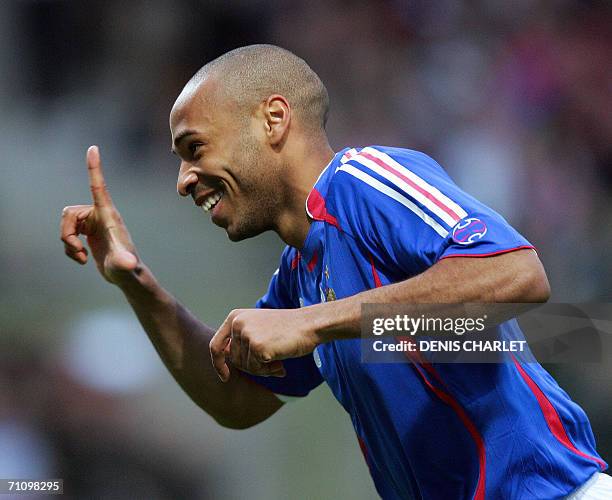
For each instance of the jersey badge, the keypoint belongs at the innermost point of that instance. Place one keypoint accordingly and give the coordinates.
(469, 230)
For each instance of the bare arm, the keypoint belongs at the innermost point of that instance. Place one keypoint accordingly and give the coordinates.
(180, 339)
(259, 337)
(182, 342)
(514, 277)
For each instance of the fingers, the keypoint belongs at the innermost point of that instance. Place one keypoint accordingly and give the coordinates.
(247, 359)
(79, 257)
(106, 213)
(70, 229)
(218, 345)
(230, 344)
(250, 360)
(239, 350)
(249, 356)
(99, 193)
(265, 369)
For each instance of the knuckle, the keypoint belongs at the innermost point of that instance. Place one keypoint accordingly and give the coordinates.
(257, 346)
(212, 346)
(235, 358)
(257, 366)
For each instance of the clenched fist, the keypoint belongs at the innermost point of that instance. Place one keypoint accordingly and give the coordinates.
(107, 237)
(256, 340)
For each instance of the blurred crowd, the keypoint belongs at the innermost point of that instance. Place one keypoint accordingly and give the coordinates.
(512, 98)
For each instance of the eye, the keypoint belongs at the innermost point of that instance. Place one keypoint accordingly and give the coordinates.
(193, 147)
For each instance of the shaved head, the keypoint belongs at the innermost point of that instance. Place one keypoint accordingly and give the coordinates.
(248, 75)
(249, 128)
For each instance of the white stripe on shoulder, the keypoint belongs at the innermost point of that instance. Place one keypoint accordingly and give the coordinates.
(434, 192)
(379, 186)
(348, 155)
(413, 193)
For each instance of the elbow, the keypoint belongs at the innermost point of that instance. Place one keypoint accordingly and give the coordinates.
(541, 291)
(236, 420)
(239, 413)
(233, 424)
(535, 287)
(237, 424)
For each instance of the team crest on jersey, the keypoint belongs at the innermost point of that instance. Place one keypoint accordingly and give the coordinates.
(469, 231)
(327, 292)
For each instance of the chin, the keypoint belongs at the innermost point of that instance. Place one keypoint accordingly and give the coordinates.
(232, 236)
(242, 233)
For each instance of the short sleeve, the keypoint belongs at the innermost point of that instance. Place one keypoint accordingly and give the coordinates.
(302, 374)
(408, 212)
(278, 295)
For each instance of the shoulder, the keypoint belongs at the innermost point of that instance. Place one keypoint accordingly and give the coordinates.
(374, 167)
(392, 158)
(377, 182)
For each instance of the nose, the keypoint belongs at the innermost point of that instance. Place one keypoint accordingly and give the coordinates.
(187, 179)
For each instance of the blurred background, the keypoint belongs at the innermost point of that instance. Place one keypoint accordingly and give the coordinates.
(513, 98)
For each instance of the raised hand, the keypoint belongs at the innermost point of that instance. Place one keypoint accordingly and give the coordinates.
(107, 237)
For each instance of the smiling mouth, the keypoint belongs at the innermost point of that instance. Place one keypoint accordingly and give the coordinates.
(210, 200)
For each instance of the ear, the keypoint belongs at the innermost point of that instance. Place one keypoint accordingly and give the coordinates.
(277, 114)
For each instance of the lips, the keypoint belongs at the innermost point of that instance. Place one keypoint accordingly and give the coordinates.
(208, 199)
(212, 200)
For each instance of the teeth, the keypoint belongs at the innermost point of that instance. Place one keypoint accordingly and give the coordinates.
(212, 200)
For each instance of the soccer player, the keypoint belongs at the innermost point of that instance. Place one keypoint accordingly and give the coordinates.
(364, 225)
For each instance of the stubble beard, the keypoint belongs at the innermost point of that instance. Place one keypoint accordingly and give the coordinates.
(261, 194)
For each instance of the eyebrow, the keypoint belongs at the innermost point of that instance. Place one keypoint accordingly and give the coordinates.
(180, 137)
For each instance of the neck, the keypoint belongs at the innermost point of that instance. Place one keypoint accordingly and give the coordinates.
(303, 168)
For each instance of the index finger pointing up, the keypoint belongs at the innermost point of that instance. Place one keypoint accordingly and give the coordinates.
(100, 195)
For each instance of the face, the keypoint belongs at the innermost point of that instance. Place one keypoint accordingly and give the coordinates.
(226, 165)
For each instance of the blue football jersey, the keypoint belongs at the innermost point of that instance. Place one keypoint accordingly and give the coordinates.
(381, 215)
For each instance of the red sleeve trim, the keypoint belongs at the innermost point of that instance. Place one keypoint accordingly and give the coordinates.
(490, 254)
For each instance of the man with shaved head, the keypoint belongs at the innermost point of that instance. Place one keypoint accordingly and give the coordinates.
(217, 116)
(363, 225)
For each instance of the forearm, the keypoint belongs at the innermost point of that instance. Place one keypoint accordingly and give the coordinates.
(179, 338)
(182, 342)
(517, 277)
